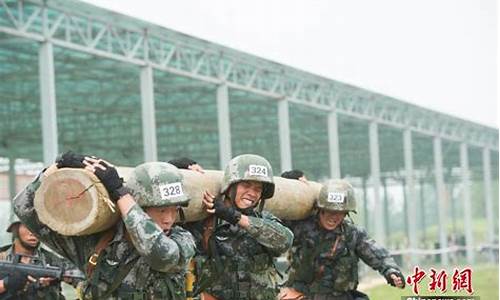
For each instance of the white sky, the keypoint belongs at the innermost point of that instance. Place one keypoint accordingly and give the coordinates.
(439, 54)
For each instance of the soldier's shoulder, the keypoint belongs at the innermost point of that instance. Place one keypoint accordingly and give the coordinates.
(351, 226)
(355, 232)
(184, 240)
(5, 248)
(4, 252)
(180, 234)
(303, 227)
(268, 215)
(47, 252)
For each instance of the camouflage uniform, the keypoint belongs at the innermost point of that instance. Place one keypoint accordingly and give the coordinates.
(325, 262)
(42, 257)
(158, 262)
(316, 270)
(238, 263)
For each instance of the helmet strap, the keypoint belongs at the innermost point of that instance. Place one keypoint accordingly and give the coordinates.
(15, 232)
(232, 193)
(349, 216)
(182, 216)
(261, 204)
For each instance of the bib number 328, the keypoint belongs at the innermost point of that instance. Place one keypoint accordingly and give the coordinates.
(171, 190)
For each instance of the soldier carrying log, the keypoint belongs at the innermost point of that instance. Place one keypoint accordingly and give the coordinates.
(238, 242)
(144, 256)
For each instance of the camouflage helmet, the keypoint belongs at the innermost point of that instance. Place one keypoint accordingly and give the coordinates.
(249, 167)
(337, 195)
(157, 184)
(15, 221)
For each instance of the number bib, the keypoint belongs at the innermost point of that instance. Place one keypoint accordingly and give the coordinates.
(171, 190)
(335, 197)
(257, 170)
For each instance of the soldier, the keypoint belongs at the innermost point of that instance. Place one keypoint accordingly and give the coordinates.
(17, 285)
(327, 249)
(238, 241)
(144, 256)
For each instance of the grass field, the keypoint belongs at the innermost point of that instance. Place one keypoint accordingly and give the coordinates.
(484, 282)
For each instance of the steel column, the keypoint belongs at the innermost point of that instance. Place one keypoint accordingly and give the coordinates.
(333, 145)
(488, 200)
(441, 198)
(410, 194)
(12, 183)
(365, 204)
(223, 121)
(386, 209)
(284, 135)
(48, 96)
(148, 114)
(464, 165)
(375, 180)
(422, 210)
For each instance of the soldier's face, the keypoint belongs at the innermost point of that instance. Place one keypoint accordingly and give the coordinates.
(248, 194)
(164, 216)
(26, 237)
(329, 220)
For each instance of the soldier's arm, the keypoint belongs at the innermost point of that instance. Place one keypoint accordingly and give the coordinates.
(76, 249)
(269, 232)
(373, 254)
(161, 252)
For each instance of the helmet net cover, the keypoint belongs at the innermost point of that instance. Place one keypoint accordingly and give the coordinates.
(337, 195)
(249, 167)
(155, 184)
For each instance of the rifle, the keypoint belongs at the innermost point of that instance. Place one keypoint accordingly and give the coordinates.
(37, 271)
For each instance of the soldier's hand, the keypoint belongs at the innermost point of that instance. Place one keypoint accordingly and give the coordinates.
(208, 201)
(15, 281)
(46, 281)
(70, 160)
(197, 168)
(395, 278)
(108, 176)
(227, 213)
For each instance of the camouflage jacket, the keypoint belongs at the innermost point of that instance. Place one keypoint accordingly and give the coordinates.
(320, 267)
(158, 262)
(238, 263)
(42, 257)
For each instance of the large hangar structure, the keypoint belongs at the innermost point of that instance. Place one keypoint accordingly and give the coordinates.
(75, 76)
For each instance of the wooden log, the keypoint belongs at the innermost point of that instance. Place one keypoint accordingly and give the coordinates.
(74, 202)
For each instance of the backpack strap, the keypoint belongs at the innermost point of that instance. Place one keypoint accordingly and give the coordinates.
(93, 265)
(208, 230)
(101, 244)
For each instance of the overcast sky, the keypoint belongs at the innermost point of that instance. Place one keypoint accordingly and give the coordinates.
(440, 54)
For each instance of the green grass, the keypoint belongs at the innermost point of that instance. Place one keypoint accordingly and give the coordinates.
(479, 231)
(484, 283)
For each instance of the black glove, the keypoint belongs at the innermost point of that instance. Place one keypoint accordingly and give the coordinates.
(111, 181)
(182, 162)
(14, 281)
(395, 272)
(70, 160)
(229, 214)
